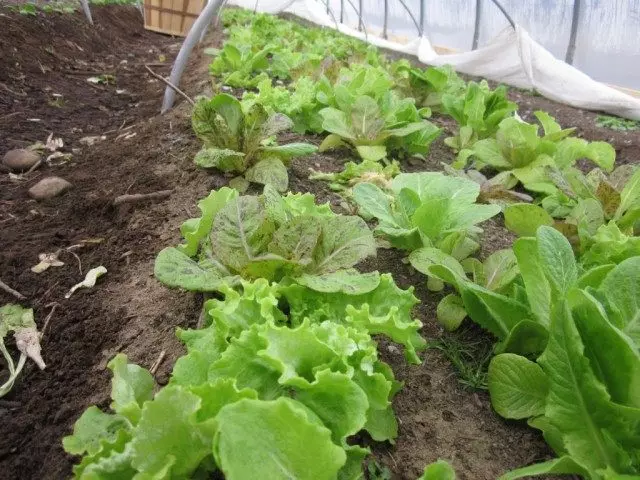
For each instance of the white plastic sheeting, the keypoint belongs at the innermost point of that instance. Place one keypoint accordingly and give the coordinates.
(512, 57)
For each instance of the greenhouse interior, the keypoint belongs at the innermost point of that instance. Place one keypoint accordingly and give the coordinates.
(320, 239)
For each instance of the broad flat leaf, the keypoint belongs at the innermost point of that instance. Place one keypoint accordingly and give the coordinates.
(350, 282)
(272, 434)
(241, 231)
(296, 240)
(488, 152)
(372, 152)
(373, 202)
(223, 159)
(175, 269)
(336, 122)
(451, 312)
(436, 185)
(92, 429)
(291, 150)
(366, 121)
(556, 259)
(558, 466)
(338, 401)
(276, 123)
(345, 241)
(197, 229)
(535, 281)
(382, 425)
(214, 396)
(630, 195)
(439, 470)
(621, 287)
(527, 337)
(131, 386)
(523, 219)
(270, 171)
(168, 431)
(595, 429)
(619, 371)
(518, 386)
(230, 109)
(424, 258)
(500, 269)
(254, 123)
(548, 123)
(497, 313)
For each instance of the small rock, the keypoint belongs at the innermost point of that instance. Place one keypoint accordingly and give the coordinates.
(20, 159)
(49, 187)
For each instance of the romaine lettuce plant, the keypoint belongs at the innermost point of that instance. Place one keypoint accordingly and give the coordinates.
(478, 112)
(267, 236)
(518, 149)
(376, 129)
(239, 66)
(427, 85)
(582, 391)
(426, 210)
(515, 310)
(242, 141)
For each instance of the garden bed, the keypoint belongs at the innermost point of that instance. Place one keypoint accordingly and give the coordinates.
(129, 311)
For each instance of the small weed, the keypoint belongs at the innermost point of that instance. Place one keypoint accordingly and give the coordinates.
(469, 354)
(26, 9)
(616, 123)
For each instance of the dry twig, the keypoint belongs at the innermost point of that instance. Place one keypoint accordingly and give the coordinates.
(138, 197)
(157, 363)
(53, 306)
(171, 85)
(10, 290)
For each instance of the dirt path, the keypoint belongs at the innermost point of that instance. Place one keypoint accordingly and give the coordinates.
(128, 311)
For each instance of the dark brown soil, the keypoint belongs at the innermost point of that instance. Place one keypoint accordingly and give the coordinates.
(128, 311)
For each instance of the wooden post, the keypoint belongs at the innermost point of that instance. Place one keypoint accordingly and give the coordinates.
(422, 8)
(341, 11)
(575, 20)
(476, 28)
(360, 22)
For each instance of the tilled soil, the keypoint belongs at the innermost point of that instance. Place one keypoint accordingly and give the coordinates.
(128, 311)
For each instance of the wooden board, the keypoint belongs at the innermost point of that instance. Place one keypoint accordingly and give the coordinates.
(173, 17)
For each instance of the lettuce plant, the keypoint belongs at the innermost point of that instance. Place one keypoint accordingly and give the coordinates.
(253, 376)
(19, 320)
(353, 173)
(582, 391)
(601, 214)
(426, 210)
(241, 141)
(519, 149)
(377, 128)
(267, 236)
(478, 112)
(239, 66)
(520, 314)
(297, 102)
(427, 85)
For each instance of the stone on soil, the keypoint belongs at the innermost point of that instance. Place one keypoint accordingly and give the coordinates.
(49, 187)
(20, 159)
